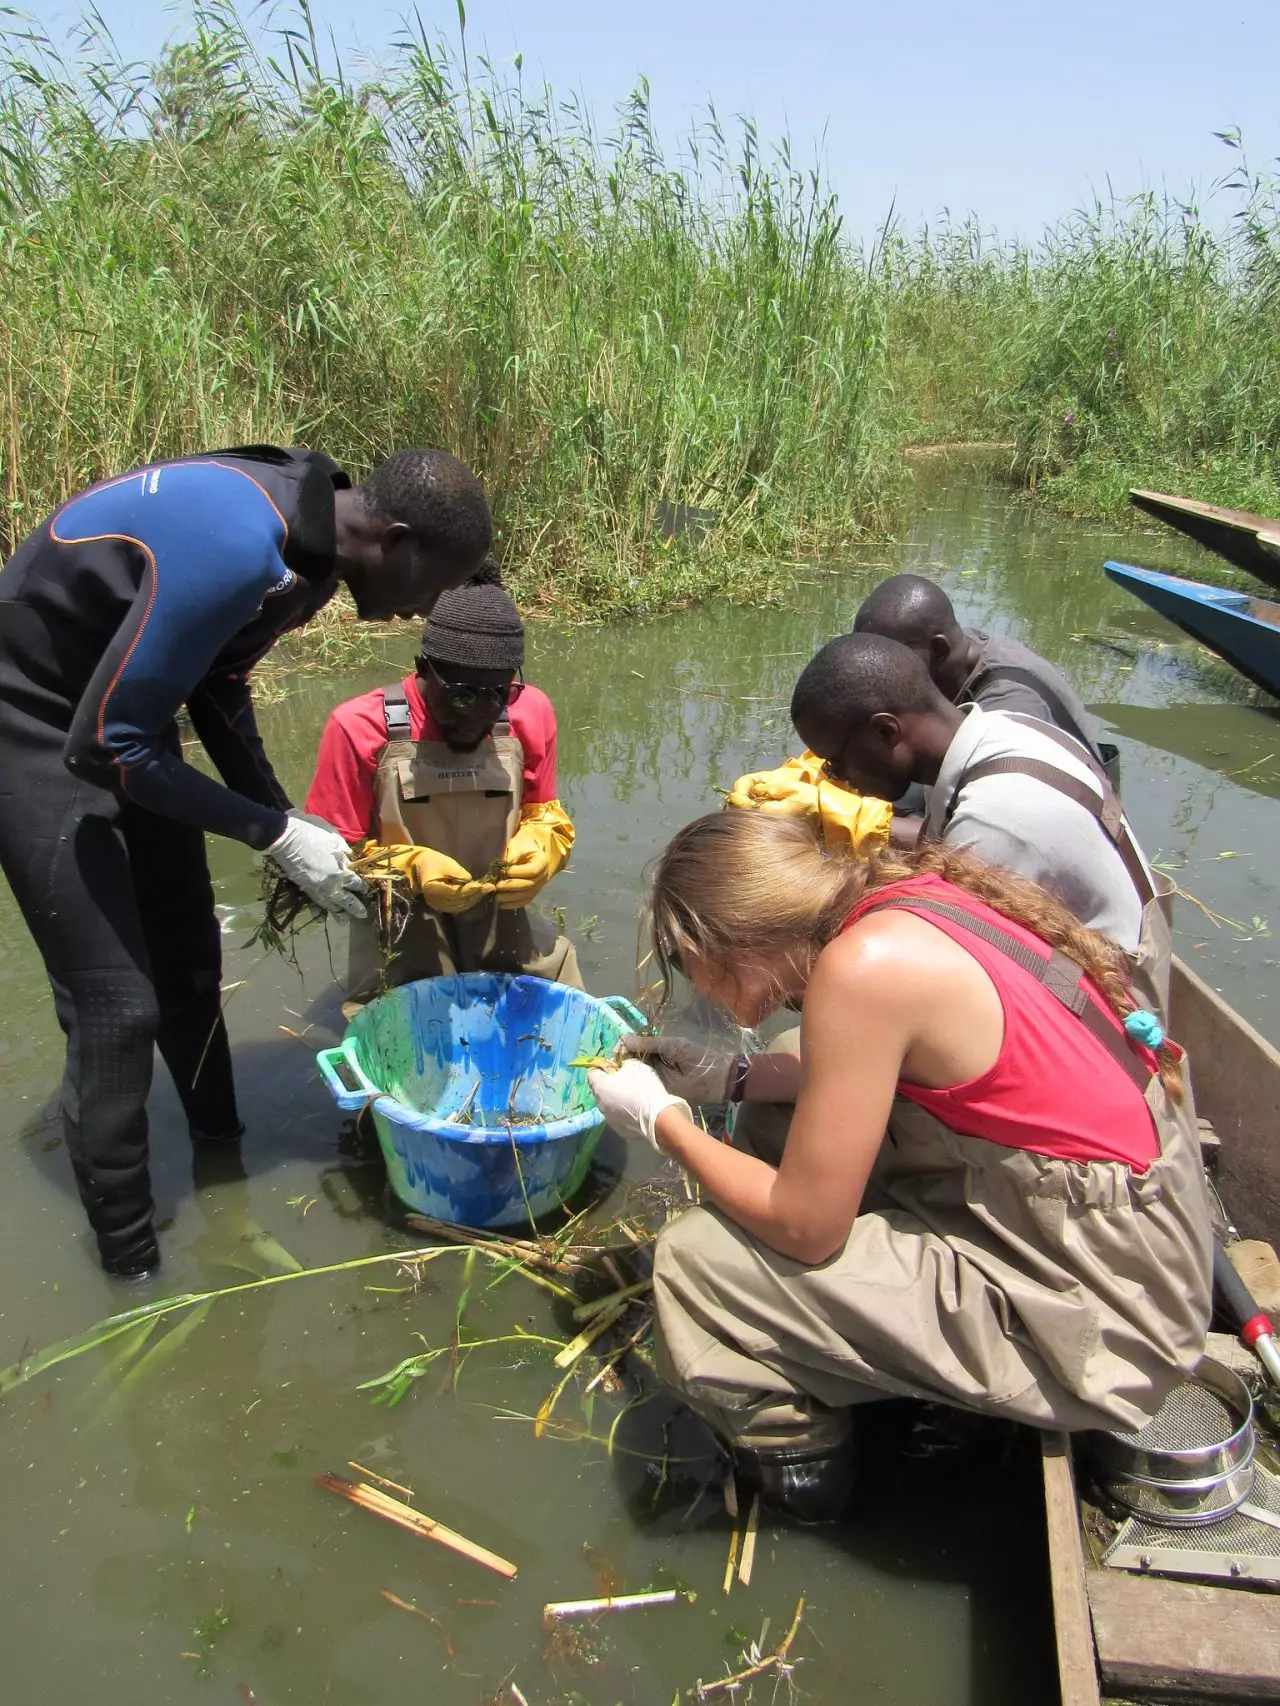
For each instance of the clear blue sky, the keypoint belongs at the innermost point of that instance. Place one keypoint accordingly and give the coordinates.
(1016, 109)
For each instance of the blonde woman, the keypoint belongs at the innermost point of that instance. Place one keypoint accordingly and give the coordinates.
(990, 1193)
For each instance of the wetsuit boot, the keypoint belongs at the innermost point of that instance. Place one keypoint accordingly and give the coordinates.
(121, 1218)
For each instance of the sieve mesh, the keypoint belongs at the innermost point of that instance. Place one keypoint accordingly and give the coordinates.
(1238, 1535)
(1191, 1418)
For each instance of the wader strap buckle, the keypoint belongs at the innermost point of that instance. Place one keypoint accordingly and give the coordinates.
(395, 711)
(1060, 975)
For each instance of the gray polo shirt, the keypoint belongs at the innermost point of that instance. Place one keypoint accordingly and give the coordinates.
(1010, 677)
(1024, 825)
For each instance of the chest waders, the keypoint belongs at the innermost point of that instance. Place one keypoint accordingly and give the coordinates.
(467, 806)
(1150, 966)
(1063, 1294)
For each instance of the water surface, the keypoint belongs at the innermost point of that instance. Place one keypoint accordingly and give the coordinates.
(166, 1541)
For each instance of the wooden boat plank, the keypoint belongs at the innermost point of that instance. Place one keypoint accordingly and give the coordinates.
(1250, 541)
(1236, 1075)
(1152, 1636)
(1182, 1641)
(1077, 1673)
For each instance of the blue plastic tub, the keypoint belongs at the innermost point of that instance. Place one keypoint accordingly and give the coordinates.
(444, 1064)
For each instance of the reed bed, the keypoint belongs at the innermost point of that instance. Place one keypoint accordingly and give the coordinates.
(674, 371)
(233, 246)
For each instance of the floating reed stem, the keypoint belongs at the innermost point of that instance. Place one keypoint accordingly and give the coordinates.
(404, 1516)
(748, 1558)
(587, 1311)
(611, 1602)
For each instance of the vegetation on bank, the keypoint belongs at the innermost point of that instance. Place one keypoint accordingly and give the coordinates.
(229, 247)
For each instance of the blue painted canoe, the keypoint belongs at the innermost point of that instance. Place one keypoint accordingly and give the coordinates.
(1242, 630)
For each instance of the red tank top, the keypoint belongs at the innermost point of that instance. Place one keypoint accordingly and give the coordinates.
(1054, 1089)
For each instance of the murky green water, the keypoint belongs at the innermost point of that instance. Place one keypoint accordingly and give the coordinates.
(166, 1541)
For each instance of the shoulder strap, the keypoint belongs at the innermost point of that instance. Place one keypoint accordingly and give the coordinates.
(1060, 975)
(1106, 809)
(1042, 689)
(395, 711)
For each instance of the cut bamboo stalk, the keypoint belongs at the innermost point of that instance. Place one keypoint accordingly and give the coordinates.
(372, 1475)
(611, 1602)
(747, 1561)
(731, 1560)
(404, 1516)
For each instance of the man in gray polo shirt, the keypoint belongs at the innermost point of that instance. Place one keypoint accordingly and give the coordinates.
(969, 667)
(869, 707)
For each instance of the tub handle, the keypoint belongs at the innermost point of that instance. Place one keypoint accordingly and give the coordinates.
(341, 1070)
(626, 1010)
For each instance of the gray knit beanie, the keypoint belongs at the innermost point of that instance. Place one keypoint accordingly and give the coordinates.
(476, 625)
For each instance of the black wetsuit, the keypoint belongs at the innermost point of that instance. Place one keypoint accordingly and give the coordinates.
(144, 594)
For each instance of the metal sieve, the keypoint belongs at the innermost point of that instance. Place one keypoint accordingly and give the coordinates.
(1192, 1462)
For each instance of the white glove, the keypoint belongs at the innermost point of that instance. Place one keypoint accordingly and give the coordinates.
(313, 855)
(632, 1098)
(685, 1067)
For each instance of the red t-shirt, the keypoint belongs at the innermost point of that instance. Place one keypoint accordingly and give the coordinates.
(1053, 1089)
(342, 788)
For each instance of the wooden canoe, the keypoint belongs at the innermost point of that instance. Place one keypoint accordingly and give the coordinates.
(1251, 542)
(1244, 631)
(1146, 1637)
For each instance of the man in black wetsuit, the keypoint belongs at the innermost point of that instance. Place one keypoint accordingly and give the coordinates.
(144, 594)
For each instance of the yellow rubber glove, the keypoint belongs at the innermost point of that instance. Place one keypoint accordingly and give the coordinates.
(850, 822)
(534, 853)
(443, 884)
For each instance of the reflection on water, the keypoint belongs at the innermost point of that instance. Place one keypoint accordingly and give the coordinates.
(1240, 742)
(175, 1529)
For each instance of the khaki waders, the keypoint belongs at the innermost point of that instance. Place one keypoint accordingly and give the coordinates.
(1057, 1293)
(467, 806)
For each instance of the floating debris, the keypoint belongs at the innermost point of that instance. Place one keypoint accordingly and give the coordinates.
(610, 1602)
(404, 1516)
(749, 1543)
(776, 1662)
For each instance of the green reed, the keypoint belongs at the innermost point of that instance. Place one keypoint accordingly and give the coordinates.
(246, 242)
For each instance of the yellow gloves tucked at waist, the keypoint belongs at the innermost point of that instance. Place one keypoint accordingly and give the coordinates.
(444, 884)
(850, 822)
(534, 853)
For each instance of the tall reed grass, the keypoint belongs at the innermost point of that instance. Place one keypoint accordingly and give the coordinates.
(242, 242)
(228, 247)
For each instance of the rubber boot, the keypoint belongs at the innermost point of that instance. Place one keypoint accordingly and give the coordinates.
(804, 1472)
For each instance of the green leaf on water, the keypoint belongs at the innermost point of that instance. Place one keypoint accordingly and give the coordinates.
(27, 1368)
(159, 1356)
(191, 1518)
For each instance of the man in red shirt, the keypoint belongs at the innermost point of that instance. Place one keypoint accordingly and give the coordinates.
(449, 779)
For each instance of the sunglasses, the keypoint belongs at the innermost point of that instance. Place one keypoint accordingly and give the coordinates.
(466, 695)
